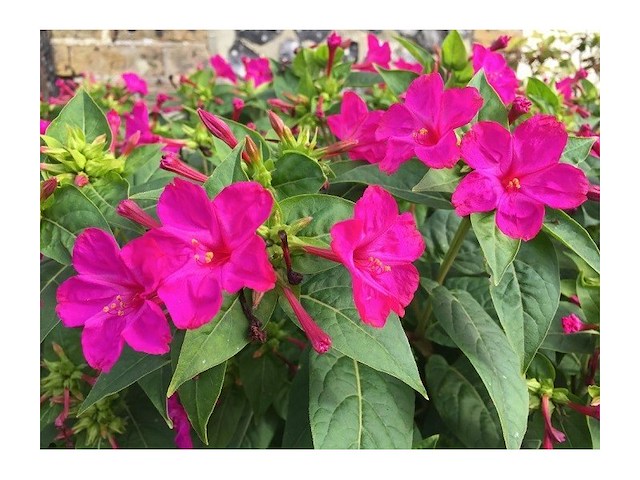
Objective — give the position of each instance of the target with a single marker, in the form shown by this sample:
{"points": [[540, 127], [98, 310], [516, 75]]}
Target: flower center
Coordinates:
{"points": [[376, 267], [118, 306], [201, 254], [514, 184], [421, 136]]}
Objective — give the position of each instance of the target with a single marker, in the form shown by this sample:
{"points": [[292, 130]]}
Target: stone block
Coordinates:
{"points": [[184, 58]]}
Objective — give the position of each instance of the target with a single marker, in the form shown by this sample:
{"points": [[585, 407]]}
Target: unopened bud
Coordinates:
{"points": [[281, 105], [172, 163], [519, 107], [218, 128], [47, 188], [338, 148], [253, 152], [319, 339], [299, 224], [594, 193], [80, 180], [499, 43], [129, 209], [131, 143], [238, 105]]}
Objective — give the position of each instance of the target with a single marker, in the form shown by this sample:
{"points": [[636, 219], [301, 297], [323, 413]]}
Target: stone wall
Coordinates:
{"points": [[157, 54]]}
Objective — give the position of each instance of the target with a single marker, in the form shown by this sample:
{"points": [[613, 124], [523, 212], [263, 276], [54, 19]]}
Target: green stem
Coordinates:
{"points": [[445, 266]]}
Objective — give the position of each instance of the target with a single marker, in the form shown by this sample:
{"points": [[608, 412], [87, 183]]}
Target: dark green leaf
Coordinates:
{"points": [[527, 298], [81, 112], [142, 163], [439, 180], [228, 172], [541, 368], [262, 378], [542, 96], [454, 52], [492, 107], [261, 431], [155, 385], [363, 79], [354, 406], [297, 174], [145, 428], [106, 192], [297, 429], [397, 80], [227, 417], [52, 274], [488, 349], [594, 430], [574, 425], [427, 443], [499, 250], [558, 341]]}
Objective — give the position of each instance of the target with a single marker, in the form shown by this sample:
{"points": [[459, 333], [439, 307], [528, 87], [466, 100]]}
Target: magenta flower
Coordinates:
{"points": [[355, 122], [134, 83], [180, 420], [424, 124], [571, 324], [402, 64], [551, 434], [333, 42], [320, 340], [43, 126], [518, 174], [138, 121], [114, 298], [496, 70], [213, 246], [222, 68], [258, 70], [377, 54], [377, 246]]}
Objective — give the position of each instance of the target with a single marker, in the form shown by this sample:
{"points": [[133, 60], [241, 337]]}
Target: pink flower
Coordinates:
{"points": [[551, 434], [134, 83], [377, 53], [519, 107], [518, 174], [377, 246], [333, 42], [499, 43], [113, 297], [138, 121], [320, 340], [213, 246], [355, 122], [587, 131], [258, 70], [43, 126], [402, 64], [571, 324], [180, 420], [222, 68], [565, 88], [497, 72], [424, 124], [238, 105]]}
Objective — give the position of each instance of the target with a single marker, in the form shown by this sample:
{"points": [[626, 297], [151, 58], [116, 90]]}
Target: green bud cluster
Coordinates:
{"points": [[63, 375], [101, 421]]}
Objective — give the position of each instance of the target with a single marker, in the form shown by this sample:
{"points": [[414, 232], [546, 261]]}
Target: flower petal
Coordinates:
{"points": [[81, 297], [487, 147], [372, 305], [377, 210], [241, 208], [444, 154], [400, 243], [424, 99], [248, 266], [537, 144], [353, 112], [97, 253], [476, 193], [560, 186], [399, 122], [147, 330], [102, 340], [459, 106], [401, 283], [192, 295], [519, 216], [397, 152], [345, 236]]}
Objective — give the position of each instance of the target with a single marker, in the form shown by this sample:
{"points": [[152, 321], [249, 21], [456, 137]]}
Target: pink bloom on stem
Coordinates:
{"points": [[258, 70], [113, 297], [355, 122], [134, 83], [180, 420], [221, 130], [222, 68], [131, 210], [43, 126], [424, 124], [502, 78], [589, 410], [518, 174], [377, 247], [571, 324], [333, 42], [519, 107], [238, 105], [377, 54], [402, 64], [499, 43], [213, 246], [320, 340], [565, 88], [113, 118], [551, 434], [587, 131]]}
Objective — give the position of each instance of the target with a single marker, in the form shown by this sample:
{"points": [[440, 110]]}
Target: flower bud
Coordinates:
{"points": [[172, 163], [320, 341], [519, 107], [218, 128], [252, 150], [80, 180], [238, 105], [500, 42], [594, 193], [47, 188], [129, 209], [281, 105]]}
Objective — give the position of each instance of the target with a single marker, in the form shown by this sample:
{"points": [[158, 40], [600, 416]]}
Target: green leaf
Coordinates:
{"points": [[574, 425], [325, 211], [354, 406], [155, 385], [130, 368], [542, 95], [541, 368], [152, 195], [400, 184], [363, 79], [577, 150], [71, 212], [52, 274], [297, 429], [142, 163], [145, 428], [454, 52], [261, 431], [297, 174], [81, 112], [499, 250], [199, 397], [594, 430], [422, 56], [427, 443], [477, 287], [217, 341], [397, 80], [106, 193], [488, 349], [464, 403], [589, 296], [492, 107], [228, 172], [262, 378], [558, 341], [527, 298], [227, 417], [439, 180], [571, 234], [328, 298]]}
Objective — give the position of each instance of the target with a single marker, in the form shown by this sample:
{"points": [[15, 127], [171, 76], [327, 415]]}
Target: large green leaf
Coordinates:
{"points": [[52, 274], [142, 163], [199, 397], [454, 52], [260, 431], [228, 172], [215, 342], [354, 406], [328, 298], [363, 79], [262, 378], [71, 212], [464, 403], [397, 80], [228, 417], [542, 96], [499, 250], [297, 174], [155, 385], [527, 298], [490, 353], [399, 184], [145, 428], [81, 112], [106, 193], [439, 180], [571, 234], [492, 107], [130, 368], [297, 429]]}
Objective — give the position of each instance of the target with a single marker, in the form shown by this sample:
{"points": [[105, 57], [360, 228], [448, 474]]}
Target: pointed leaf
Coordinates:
{"points": [[297, 174], [81, 112], [439, 180], [542, 96], [422, 56], [571, 234], [155, 386], [228, 172], [297, 429], [262, 378], [492, 107], [499, 250], [142, 163], [52, 274], [397, 80], [454, 52]]}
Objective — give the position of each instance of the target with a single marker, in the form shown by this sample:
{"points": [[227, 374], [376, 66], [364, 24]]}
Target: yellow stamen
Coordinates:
{"points": [[208, 257]]}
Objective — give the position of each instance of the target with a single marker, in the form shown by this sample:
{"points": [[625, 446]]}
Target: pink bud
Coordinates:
{"points": [[572, 324], [589, 410], [319, 108], [131, 143], [334, 40], [281, 105], [80, 180], [238, 105], [519, 107], [338, 148], [218, 128], [172, 163], [253, 152], [47, 188], [580, 74], [277, 124], [594, 193], [319, 339], [131, 210], [500, 42]]}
